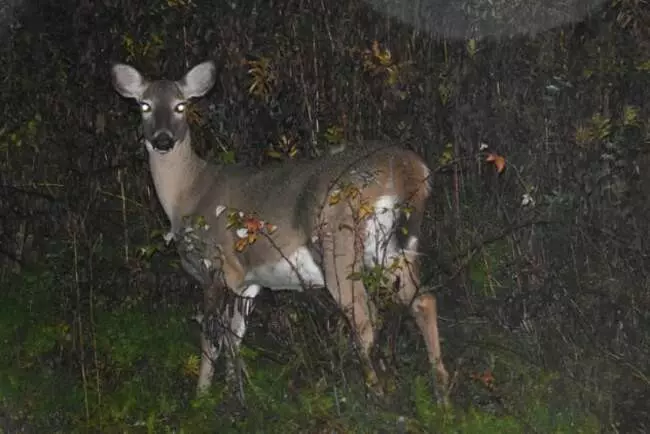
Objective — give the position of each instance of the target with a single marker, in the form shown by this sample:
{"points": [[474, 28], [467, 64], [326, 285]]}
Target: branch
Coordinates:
{"points": [[471, 252]]}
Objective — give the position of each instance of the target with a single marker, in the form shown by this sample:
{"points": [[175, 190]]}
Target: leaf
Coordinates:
{"points": [[334, 135], [365, 210], [630, 115], [445, 90], [602, 125], [253, 224], [447, 155], [351, 192], [644, 66], [471, 47], [486, 378], [334, 197], [241, 244], [498, 161], [527, 199], [191, 365], [583, 135], [355, 276], [199, 221], [227, 157], [168, 237], [219, 210]]}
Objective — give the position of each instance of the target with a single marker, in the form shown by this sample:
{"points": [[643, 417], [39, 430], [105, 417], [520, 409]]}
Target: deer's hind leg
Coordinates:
{"points": [[384, 246], [424, 310], [341, 257]]}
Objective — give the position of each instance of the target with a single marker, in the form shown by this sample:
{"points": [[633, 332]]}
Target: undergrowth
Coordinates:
{"points": [[134, 370]]}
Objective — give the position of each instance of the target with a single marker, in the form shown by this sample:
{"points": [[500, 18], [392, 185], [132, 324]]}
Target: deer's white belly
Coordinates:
{"points": [[297, 271]]}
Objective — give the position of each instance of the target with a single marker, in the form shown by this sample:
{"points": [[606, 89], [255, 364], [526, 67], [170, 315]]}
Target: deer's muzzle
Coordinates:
{"points": [[163, 142]]}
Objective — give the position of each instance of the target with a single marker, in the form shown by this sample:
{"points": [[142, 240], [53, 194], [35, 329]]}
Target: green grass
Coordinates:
{"points": [[136, 371]]}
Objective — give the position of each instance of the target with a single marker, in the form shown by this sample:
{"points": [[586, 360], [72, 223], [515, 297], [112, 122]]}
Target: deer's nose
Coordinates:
{"points": [[163, 141]]}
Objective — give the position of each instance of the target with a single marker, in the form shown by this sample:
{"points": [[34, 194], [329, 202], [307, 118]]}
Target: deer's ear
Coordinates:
{"points": [[127, 81], [199, 80]]}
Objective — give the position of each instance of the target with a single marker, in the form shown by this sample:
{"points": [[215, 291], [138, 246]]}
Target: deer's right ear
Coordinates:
{"points": [[127, 81]]}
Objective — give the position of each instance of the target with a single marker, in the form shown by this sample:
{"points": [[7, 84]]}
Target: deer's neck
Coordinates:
{"points": [[177, 176]]}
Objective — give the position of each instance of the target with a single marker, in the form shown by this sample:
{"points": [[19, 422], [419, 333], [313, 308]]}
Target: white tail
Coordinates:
{"points": [[316, 223]]}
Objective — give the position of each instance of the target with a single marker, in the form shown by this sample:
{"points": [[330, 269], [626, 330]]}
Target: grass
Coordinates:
{"points": [[134, 370]]}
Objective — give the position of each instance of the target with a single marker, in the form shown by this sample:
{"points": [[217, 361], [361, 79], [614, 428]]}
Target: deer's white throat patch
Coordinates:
{"points": [[295, 272]]}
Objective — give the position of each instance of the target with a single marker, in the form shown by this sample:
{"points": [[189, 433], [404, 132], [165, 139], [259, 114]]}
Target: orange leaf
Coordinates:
{"points": [[252, 224], [486, 377], [498, 161], [241, 244]]}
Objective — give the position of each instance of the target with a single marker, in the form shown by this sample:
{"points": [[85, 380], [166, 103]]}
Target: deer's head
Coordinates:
{"points": [[163, 103]]}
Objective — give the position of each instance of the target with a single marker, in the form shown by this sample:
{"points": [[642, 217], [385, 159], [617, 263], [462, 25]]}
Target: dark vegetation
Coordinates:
{"points": [[542, 269]]}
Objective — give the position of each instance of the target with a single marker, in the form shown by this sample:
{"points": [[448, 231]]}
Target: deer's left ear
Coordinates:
{"points": [[127, 81], [199, 80]]}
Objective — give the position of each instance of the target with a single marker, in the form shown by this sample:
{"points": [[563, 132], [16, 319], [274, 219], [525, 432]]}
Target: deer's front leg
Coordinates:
{"points": [[206, 371], [224, 331], [209, 349], [235, 316]]}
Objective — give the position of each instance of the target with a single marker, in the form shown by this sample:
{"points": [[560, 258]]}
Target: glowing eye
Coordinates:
{"points": [[146, 108], [180, 108]]}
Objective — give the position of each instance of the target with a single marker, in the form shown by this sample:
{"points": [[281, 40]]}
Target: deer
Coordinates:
{"points": [[299, 225]]}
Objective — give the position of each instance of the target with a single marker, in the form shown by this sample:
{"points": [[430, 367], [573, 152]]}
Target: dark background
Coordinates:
{"points": [[544, 306]]}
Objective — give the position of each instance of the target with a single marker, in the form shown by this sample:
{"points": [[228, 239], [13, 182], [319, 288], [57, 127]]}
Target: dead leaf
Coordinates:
{"points": [[252, 224], [486, 378], [365, 210], [498, 161], [241, 244], [334, 198]]}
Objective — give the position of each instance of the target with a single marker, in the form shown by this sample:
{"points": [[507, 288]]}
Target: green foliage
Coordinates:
{"points": [[227, 157], [24, 133], [142, 384], [484, 269], [34, 333]]}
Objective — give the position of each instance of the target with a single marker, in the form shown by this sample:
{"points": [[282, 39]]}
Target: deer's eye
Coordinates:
{"points": [[146, 108], [180, 107]]}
